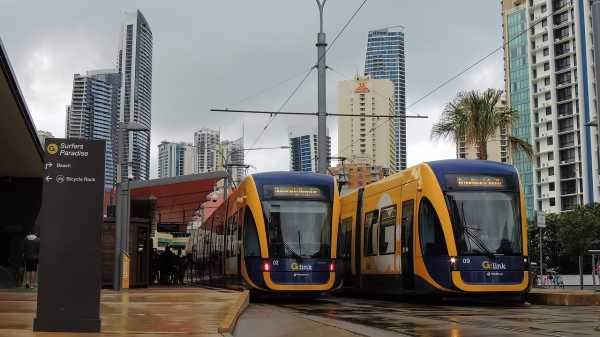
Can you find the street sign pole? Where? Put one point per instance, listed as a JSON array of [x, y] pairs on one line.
[[541, 224]]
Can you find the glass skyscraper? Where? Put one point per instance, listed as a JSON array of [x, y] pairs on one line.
[[385, 60], [135, 66], [548, 64], [303, 149], [93, 114], [516, 51]]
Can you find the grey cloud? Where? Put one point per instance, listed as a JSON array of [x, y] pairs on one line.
[[215, 53]]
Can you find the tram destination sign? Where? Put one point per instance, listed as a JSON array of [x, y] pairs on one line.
[[474, 181], [70, 232]]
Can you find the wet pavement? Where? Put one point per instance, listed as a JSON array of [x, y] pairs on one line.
[[144, 312], [365, 317]]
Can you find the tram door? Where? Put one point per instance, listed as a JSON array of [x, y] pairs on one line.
[[409, 193]]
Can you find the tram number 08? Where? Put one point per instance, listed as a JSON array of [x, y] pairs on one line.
[[466, 261]]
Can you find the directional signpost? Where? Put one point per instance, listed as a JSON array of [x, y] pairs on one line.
[[70, 234], [541, 224]]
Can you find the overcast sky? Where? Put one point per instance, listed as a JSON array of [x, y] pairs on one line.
[[216, 53]]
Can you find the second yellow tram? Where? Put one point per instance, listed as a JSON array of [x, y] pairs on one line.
[[444, 227]]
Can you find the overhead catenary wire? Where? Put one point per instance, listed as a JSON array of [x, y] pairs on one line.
[[264, 129], [462, 72], [329, 47], [480, 60], [315, 114], [269, 88]]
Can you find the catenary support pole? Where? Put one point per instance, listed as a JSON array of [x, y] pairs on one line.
[[322, 102], [541, 258]]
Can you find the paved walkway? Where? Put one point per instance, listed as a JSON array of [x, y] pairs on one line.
[[570, 297], [144, 312]]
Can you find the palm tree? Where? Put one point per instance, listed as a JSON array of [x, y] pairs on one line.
[[475, 116]]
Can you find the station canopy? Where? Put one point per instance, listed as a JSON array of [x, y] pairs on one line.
[[176, 199]]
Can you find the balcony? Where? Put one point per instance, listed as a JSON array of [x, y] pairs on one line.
[[560, 5]]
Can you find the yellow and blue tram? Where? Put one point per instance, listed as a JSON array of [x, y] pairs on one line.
[[442, 227], [276, 233]]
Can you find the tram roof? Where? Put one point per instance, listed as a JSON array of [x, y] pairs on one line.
[[471, 167], [291, 178]]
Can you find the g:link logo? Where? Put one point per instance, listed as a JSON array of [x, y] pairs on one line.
[[487, 265], [52, 148], [300, 267]]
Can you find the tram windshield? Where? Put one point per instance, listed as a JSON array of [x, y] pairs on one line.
[[485, 223], [298, 229]]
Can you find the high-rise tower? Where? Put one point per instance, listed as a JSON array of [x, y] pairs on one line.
[[516, 80], [135, 66], [549, 68], [93, 113], [232, 152], [361, 139], [385, 60], [304, 142], [176, 159], [206, 142]]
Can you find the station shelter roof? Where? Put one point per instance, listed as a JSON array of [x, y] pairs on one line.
[[177, 199], [20, 147]]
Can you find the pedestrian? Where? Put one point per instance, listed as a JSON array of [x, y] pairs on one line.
[[598, 270], [31, 252], [181, 267], [154, 266], [167, 262], [164, 266]]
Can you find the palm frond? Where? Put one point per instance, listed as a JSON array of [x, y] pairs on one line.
[[523, 145]]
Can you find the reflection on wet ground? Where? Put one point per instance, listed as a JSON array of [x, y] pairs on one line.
[[454, 318]]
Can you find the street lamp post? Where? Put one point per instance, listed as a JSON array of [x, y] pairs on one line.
[[123, 202]]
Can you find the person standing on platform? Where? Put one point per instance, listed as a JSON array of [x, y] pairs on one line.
[[31, 253], [154, 267], [181, 266]]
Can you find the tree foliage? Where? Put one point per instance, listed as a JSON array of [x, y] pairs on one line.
[[569, 234], [579, 229], [475, 117]]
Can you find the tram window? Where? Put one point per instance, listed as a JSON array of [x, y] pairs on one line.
[[345, 244], [370, 243], [251, 248], [407, 222], [387, 230], [430, 230]]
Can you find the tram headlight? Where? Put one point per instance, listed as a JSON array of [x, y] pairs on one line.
[[332, 266], [525, 263], [266, 266], [453, 264]]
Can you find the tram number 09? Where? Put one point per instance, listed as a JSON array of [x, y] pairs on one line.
[[466, 261]]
